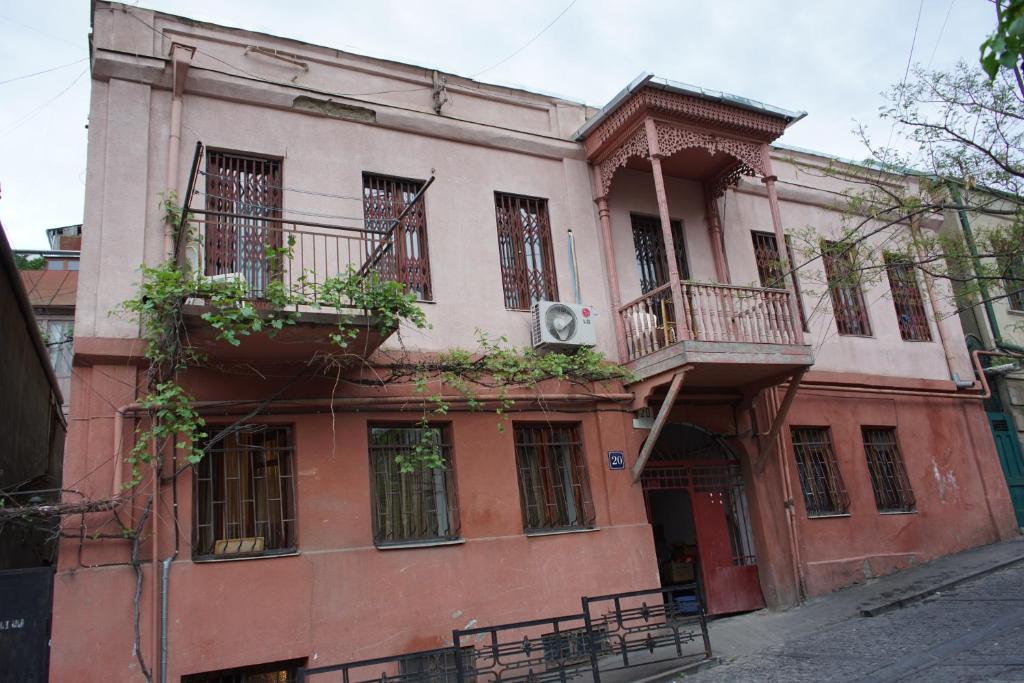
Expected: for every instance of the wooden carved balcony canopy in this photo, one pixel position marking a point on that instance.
(681, 121)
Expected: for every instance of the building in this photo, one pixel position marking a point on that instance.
(31, 455)
(51, 281)
(787, 444)
(993, 320)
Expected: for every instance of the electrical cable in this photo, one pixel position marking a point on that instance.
(282, 187)
(264, 207)
(44, 71)
(12, 126)
(527, 43)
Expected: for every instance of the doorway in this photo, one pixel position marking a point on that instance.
(697, 508)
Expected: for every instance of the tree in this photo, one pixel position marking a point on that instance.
(956, 152)
(26, 263)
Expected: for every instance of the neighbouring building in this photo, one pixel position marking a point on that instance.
(787, 435)
(31, 455)
(993, 322)
(51, 282)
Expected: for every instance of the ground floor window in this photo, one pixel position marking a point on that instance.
(245, 493)
(820, 478)
(417, 505)
(553, 486)
(278, 672)
(888, 473)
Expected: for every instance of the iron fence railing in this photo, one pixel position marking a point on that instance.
(612, 633)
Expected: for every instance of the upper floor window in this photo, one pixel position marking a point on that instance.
(820, 478)
(416, 505)
(845, 287)
(553, 486)
(888, 474)
(1011, 270)
(59, 336)
(906, 298)
(524, 250)
(384, 199)
(651, 259)
(243, 204)
(245, 494)
(769, 267)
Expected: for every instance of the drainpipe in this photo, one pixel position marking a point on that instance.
(972, 246)
(574, 268)
(181, 59)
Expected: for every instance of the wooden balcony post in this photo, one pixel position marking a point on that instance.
(780, 239)
(608, 246)
(682, 331)
(715, 234)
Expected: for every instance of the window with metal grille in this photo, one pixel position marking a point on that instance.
(419, 505)
(278, 672)
(649, 244)
(888, 474)
(769, 267)
(1011, 270)
(553, 486)
(906, 298)
(524, 250)
(384, 199)
(245, 494)
(820, 478)
(243, 203)
(844, 286)
(437, 666)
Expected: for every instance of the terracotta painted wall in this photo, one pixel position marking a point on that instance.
(962, 500)
(341, 598)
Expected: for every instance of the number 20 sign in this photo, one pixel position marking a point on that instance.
(616, 460)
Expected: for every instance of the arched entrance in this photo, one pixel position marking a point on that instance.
(694, 492)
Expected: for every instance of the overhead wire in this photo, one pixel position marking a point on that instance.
(44, 71)
(906, 71)
(265, 207)
(15, 124)
(283, 187)
(527, 43)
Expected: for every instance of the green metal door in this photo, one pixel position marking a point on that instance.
(1008, 447)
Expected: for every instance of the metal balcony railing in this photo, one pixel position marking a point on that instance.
(301, 255)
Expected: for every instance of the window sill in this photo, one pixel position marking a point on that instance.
(407, 545)
(829, 515)
(213, 559)
(856, 336)
(897, 512)
(557, 532)
(1015, 311)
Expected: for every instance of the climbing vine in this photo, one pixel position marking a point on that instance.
(227, 309)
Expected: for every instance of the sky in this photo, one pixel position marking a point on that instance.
(831, 58)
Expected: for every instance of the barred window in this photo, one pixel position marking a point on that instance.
(245, 494)
(906, 298)
(244, 195)
(553, 487)
(649, 244)
(820, 478)
(524, 250)
(888, 474)
(1011, 270)
(279, 672)
(384, 199)
(844, 286)
(419, 505)
(769, 267)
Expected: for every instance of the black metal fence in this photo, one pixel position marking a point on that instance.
(612, 633)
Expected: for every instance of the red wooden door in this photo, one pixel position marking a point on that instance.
(727, 587)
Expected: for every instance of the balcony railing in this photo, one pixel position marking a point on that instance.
(711, 312)
(301, 255)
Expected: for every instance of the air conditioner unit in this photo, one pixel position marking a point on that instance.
(558, 326)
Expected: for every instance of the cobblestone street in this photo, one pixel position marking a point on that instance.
(973, 632)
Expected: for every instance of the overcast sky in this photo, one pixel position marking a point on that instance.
(831, 58)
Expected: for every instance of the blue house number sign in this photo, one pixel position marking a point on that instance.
(616, 460)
